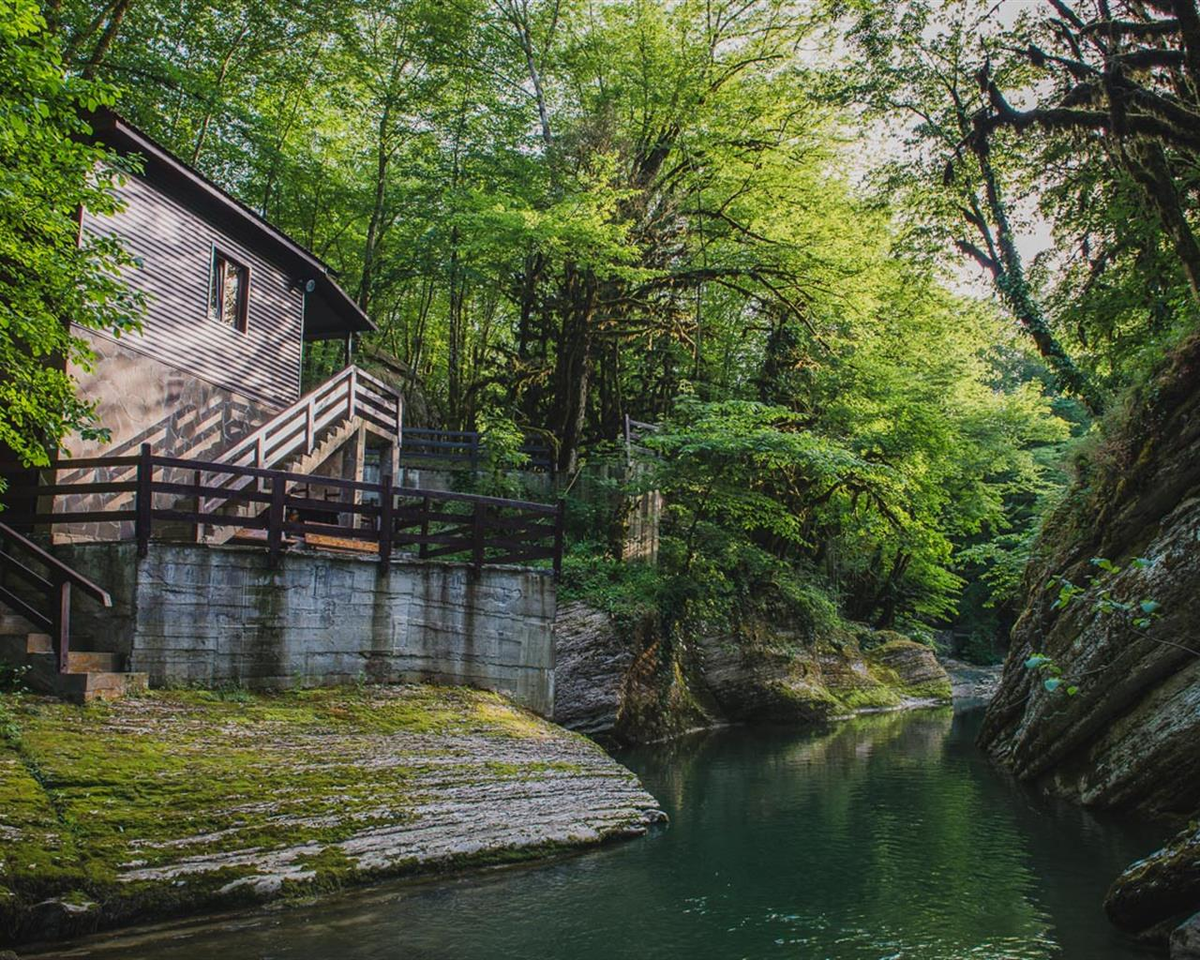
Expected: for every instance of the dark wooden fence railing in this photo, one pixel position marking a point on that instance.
(174, 498)
(420, 444)
(42, 591)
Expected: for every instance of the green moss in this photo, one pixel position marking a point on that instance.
(91, 797)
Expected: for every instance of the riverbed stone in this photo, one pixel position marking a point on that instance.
(623, 680)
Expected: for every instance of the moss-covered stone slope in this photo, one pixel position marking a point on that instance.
(181, 801)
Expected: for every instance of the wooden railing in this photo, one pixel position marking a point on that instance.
(295, 429)
(464, 446)
(44, 595)
(170, 494)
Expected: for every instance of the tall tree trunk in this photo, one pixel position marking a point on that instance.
(1008, 273)
(573, 366)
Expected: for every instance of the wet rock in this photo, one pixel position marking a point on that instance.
(970, 681)
(591, 660)
(54, 919)
(625, 682)
(620, 681)
(1155, 893)
(1185, 939)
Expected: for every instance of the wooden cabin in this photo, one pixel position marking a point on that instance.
(231, 303)
(215, 373)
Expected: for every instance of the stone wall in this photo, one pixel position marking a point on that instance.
(214, 615)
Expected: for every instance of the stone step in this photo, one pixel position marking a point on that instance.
(107, 685)
(38, 643)
(91, 662)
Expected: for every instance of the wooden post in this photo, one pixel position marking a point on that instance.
(386, 503)
(198, 534)
(275, 517)
(477, 537)
(423, 547)
(560, 522)
(352, 390)
(310, 425)
(144, 500)
(474, 452)
(63, 625)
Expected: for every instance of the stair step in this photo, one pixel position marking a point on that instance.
(104, 685)
(92, 662)
(38, 643)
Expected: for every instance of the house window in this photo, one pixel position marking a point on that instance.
(229, 291)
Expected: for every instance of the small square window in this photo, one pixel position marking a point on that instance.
(229, 292)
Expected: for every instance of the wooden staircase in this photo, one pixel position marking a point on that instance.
(301, 438)
(38, 636)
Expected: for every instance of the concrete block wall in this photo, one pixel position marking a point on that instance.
(212, 615)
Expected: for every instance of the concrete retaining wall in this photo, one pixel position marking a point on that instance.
(192, 613)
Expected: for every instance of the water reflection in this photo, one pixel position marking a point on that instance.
(887, 836)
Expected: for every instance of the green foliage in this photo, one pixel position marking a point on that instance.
(627, 591)
(48, 280)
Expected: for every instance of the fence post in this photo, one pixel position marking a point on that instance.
(310, 425)
(560, 521)
(63, 625)
(275, 517)
(477, 537)
(351, 392)
(143, 503)
(386, 502)
(474, 452)
(196, 482)
(423, 547)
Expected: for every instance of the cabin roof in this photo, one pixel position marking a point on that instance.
(329, 312)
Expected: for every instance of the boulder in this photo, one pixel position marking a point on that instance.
(1154, 894)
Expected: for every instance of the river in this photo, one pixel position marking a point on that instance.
(886, 837)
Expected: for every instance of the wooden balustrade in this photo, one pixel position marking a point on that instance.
(282, 508)
(458, 446)
(42, 593)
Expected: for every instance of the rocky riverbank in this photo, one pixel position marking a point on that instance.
(178, 802)
(626, 682)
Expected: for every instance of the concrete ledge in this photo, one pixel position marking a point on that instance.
(192, 613)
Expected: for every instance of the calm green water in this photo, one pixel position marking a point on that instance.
(885, 837)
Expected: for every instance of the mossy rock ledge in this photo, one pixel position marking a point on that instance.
(184, 801)
(629, 684)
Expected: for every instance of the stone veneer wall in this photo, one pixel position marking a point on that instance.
(213, 615)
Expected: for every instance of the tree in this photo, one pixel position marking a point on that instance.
(50, 277)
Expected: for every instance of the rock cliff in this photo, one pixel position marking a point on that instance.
(1130, 737)
(1126, 543)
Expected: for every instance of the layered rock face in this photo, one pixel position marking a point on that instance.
(1130, 737)
(627, 684)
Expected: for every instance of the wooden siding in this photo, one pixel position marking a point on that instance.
(174, 246)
